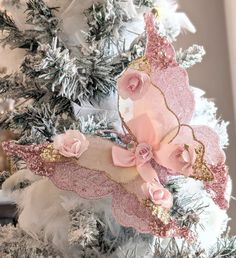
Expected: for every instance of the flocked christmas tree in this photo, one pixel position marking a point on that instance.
(60, 63)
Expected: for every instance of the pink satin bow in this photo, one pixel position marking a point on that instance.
(141, 154)
(148, 147)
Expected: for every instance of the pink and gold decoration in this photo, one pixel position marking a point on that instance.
(162, 144)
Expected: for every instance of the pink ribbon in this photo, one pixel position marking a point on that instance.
(148, 147)
(142, 152)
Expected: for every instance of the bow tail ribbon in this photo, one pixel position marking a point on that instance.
(147, 172)
(126, 158)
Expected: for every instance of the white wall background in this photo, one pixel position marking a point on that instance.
(214, 74)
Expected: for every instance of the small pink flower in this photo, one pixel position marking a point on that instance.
(177, 158)
(184, 158)
(143, 153)
(71, 144)
(158, 194)
(133, 84)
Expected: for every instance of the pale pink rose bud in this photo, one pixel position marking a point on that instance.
(143, 153)
(177, 158)
(158, 194)
(133, 84)
(184, 158)
(71, 144)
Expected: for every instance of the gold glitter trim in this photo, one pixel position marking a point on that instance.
(142, 64)
(158, 211)
(200, 168)
(12, 165)
(49, 154)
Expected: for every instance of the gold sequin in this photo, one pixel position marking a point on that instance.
(200, 169)
(158, 211)
(49, 154)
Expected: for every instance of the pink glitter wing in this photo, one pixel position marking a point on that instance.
(215, 158)
(204, 134)
(174, 83)
(92, 184)
(159, 51)
(211, 140)
(166, 74)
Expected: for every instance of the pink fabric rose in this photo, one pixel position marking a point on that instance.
(143, 153)
(185, 156)
(133, 84)
(72, 143)
(177, 158)
(158, 194)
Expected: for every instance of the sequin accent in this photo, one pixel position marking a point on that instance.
(169, 230)
(142, 64)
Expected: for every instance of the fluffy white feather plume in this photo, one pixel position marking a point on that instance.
(168, 12)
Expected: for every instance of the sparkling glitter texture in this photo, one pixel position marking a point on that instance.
(161, 213)
(200, 169)
(50, 154)
(67, 174)
(159, 51)
(217, 188)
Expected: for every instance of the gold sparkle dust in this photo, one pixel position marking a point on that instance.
(141, 64)
(49, 154)
(200, 169)
(12, 165)
(158, 211)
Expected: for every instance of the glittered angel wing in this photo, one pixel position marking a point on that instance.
(170, 103)
(168, 98)
(166, 72)
(155, 107)
(94, 180)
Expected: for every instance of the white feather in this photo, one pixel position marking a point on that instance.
(42, 212)
(185, 22)
(18, 177)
